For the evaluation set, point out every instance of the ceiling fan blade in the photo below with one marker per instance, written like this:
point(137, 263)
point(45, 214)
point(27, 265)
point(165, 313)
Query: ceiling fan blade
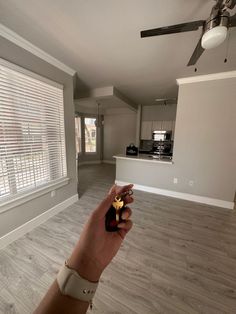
point(164, 99)
point(197, 53)
point(232, 21)
point(178, 28)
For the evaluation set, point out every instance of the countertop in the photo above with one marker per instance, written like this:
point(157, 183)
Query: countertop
point(145, 158)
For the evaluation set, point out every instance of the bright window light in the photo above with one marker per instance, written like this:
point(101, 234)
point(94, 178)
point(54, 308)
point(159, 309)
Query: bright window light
point(32, 137)
point(90, 135)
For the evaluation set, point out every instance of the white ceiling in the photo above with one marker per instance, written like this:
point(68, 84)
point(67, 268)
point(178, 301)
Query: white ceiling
point(101, 40)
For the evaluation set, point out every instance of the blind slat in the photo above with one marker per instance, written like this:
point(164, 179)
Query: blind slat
point(32, 137)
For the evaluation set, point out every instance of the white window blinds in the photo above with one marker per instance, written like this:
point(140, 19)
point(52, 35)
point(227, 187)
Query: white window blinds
point(32, 139)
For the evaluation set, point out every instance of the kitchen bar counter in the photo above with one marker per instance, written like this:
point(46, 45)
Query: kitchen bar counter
point(147, 174)
point(146, 158)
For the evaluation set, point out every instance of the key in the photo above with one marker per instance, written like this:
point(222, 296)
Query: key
point(113, 216)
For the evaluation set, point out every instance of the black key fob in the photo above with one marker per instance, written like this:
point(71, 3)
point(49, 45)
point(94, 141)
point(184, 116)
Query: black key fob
point(113, 216)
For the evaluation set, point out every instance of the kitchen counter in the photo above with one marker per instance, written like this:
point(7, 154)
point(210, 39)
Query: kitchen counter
point(146, 158)
point(148, 174)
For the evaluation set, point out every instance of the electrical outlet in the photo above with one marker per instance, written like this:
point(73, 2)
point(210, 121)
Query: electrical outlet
point(53, 193)
point(191, 183)
point(175, 180)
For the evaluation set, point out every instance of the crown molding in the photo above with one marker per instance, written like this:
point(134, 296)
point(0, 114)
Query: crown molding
point(207, 77)
point(13, 37)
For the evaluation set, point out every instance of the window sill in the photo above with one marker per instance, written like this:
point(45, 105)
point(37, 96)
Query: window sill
point(26, 197)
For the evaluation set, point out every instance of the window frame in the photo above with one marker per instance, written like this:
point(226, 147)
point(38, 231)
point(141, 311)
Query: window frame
point(33, 194)
point(81, 137)
point(21, 198)
point(90, 117)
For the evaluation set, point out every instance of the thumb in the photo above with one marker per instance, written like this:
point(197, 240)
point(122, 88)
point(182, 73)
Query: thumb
point(106, 203)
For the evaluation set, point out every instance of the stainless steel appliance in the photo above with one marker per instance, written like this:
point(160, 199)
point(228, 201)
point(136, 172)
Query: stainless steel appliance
point(160, 135)
point(162, 148)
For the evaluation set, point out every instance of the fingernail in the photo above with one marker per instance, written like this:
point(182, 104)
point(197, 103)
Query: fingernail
point(121, 225)
point(124, 215)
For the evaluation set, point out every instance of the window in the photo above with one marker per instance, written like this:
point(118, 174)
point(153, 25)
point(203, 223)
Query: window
point(78, 134)
point(90, 135)
point(32, 139)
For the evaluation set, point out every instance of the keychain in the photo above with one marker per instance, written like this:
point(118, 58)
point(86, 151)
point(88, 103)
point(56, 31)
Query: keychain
point(113, 216)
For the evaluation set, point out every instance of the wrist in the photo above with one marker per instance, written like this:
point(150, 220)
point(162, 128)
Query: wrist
point(85, 267)
point(71, 284)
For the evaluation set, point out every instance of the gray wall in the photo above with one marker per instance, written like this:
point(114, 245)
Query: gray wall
point(155, 113)
point(15, 217)
point(119, 131)
point(205, 146)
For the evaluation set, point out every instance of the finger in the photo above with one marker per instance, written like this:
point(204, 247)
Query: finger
point(125, 225)
point(106, 203)
point(123, 189)
point(128, 199)
point(126, 213)
point(125, 228)
point(114, 186)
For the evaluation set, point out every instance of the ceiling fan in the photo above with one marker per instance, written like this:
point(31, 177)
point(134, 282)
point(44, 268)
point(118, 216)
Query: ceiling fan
point(214, 29)
point(165, 101)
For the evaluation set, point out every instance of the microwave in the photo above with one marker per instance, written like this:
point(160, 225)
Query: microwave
point(160, 135)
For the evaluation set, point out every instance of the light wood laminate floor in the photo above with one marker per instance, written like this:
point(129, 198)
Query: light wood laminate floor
point(180, 257)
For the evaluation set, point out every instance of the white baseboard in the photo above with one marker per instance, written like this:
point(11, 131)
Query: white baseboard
point(112, 162)
point(96, 162)
point(184, 196)
point(91, 162)
point(33, 223)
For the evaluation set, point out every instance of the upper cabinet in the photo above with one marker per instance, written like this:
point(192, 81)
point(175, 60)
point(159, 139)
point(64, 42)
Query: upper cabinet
point(149, 126)
point(173, 130)
point(146, 130)
point(167, 125)
point(156, 125)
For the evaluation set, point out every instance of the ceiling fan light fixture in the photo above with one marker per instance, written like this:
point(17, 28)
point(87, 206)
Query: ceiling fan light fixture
point(214, 37)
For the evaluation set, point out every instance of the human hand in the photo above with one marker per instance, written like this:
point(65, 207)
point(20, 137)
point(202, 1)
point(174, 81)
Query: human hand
point(97, 247)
